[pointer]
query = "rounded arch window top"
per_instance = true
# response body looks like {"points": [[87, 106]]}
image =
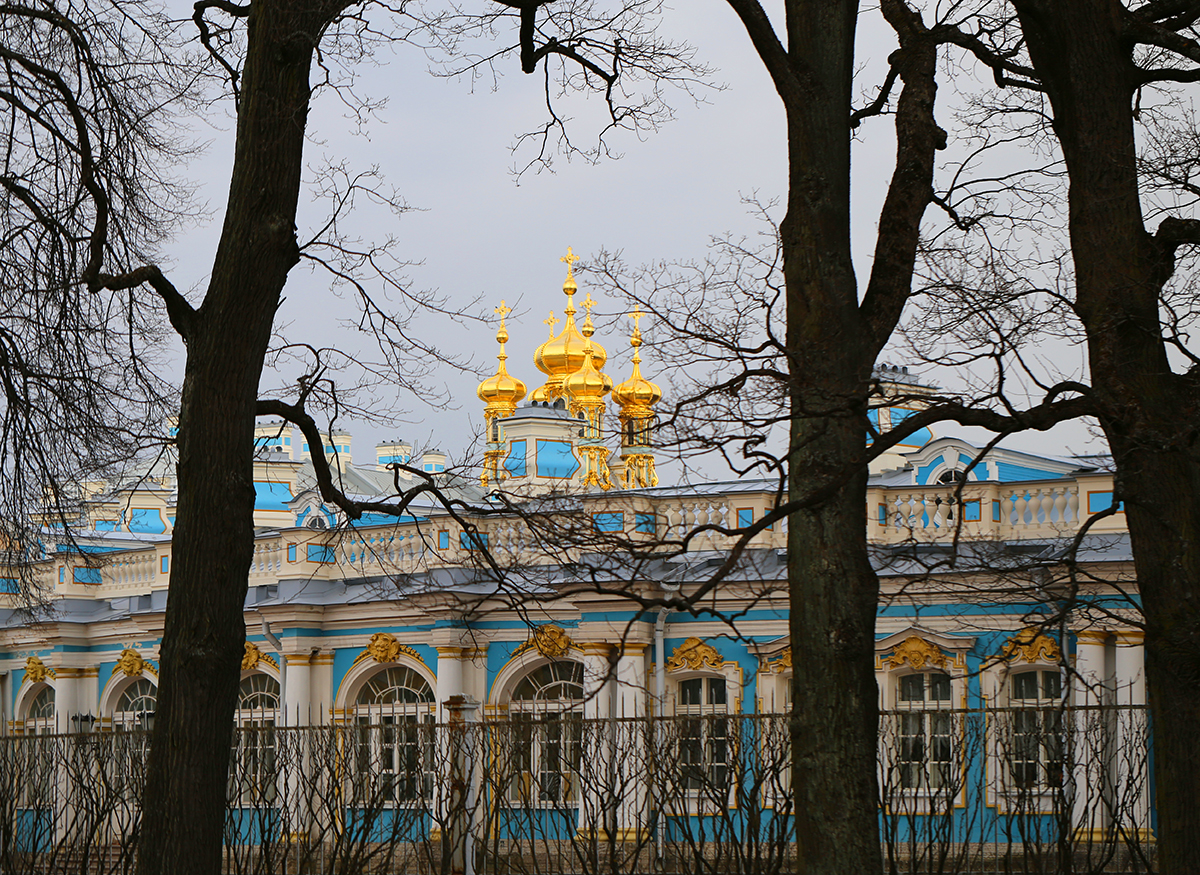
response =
{"points": [[396, 685], [258, 692], [558, 681], [42, 706], [139, 696]]}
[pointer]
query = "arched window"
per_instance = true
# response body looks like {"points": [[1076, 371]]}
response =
{"points": [[253, 771], [394, 713], [547, 724], [258, 700], [135, 706], [39, 714]]}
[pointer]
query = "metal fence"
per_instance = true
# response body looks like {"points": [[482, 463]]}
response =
{"points": [[999, 790]]}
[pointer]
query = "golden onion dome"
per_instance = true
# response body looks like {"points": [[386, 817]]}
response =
{"points": [[501, 388], [587, 382], [563, 354], [636, 392]]}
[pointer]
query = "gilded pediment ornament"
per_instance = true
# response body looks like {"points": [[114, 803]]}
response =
{"points": [[383, 647], [132, 663], [781, 662], [1032, 646], [549, 640], [253, 656], [918, 653], [36, 670], [694, 654]]}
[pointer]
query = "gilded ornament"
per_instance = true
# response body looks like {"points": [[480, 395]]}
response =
{"points": [[694, 654], [780, 663], [551, 641], [36, 671], [383, 647], [918, 653], [1032, 646], [253, 656], [131, 662]]}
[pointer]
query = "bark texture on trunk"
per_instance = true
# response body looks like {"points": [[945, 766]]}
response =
{"points": [[1149, 414], [213, 541]]}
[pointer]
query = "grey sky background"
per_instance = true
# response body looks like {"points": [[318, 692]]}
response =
{"points": [[476, 233]]}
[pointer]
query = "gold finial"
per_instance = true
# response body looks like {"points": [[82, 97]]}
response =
{"points": [[502, 311], [552, 321], [570, 258], [588, 328], [635, 340]]}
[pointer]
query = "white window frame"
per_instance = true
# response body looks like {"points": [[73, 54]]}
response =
{"points": [[393, 715], [545, 713]]}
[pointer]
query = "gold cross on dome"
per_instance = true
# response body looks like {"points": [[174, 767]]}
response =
{"points": [[636, 316], [570, 258], [588, 304], [502, 311], [552, 321]]}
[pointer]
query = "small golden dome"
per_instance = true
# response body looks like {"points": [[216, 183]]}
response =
{"points": [[501, 389], [587, 382], [637, 394]]}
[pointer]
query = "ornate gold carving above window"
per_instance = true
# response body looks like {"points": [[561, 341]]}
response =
{"points": [[694, 654], [36, 670], [549, 640], [383, 647], [918, 653], [254, 656], [1032, 646], [131, 662], [779, 663]]}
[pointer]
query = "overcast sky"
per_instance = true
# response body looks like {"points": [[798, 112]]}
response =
{"points": [[476, 233]]}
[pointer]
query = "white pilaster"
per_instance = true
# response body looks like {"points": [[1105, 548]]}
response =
{"points": [[1090, 736], [1132, 741], [596, 766], [630, 700], [297, 689]]}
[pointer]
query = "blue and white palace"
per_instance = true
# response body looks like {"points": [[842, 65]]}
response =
{"points": [[353, 623]]}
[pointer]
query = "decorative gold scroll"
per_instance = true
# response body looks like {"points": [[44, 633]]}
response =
{"points": [[781, 662], [131, 662], [918, 653], [694, 654], [1032, 646], [383, 647], [36, 670], [254, 656]]}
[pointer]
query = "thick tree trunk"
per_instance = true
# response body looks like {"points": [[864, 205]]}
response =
{"points": [[184, 802], [1149, 414], [833, 589]]}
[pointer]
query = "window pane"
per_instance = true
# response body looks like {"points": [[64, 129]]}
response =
{"points": [[1025, 685], [939, 688], [912, 688], [1051, 685], [716, 691], [691, 691]]}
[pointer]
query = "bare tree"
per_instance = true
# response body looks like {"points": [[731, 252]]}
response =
{"points": [[87, 155]]}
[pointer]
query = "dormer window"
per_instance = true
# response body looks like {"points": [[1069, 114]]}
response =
{"points": [[954, 475]]}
